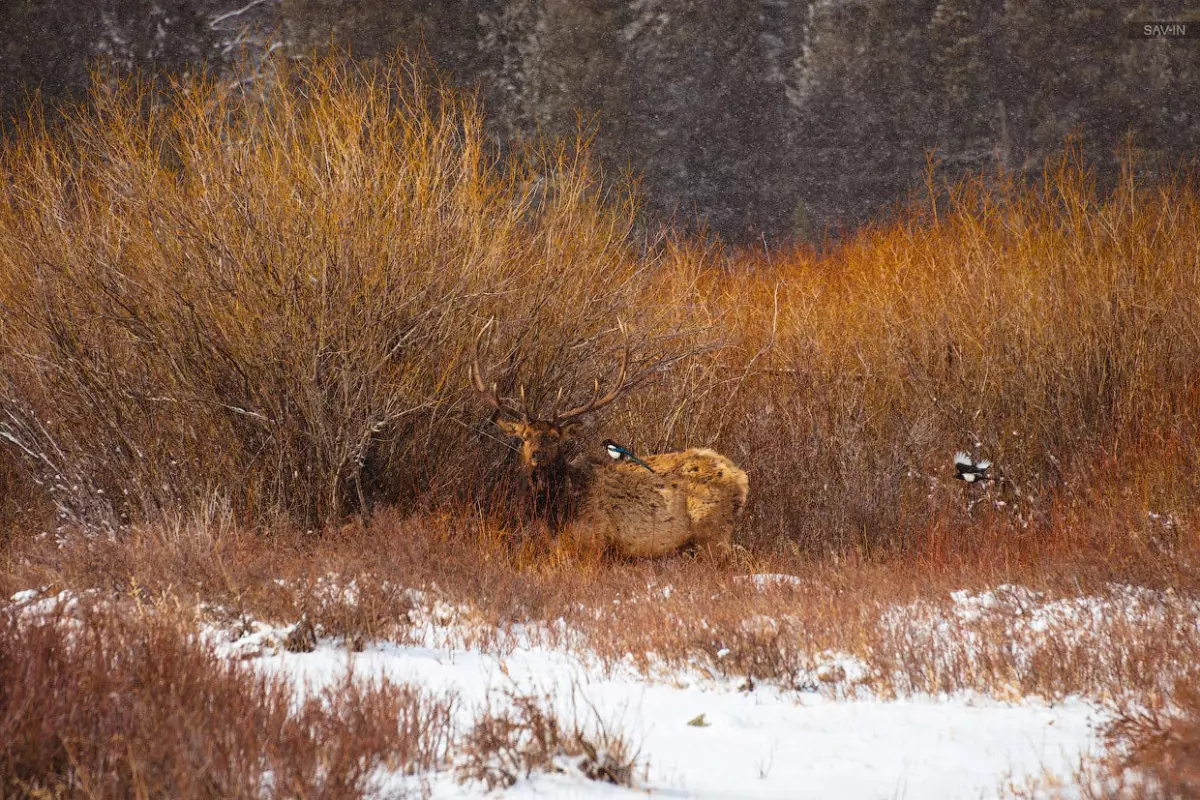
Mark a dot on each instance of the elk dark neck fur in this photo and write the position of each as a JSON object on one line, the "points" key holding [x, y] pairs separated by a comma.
{"points": [[560, 487]]}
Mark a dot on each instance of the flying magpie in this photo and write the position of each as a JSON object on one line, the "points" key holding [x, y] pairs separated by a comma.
{"points": [[621, 453], [971, 471]]}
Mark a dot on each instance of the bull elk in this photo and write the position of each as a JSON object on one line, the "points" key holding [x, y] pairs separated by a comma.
{"points": [[690, 499]]}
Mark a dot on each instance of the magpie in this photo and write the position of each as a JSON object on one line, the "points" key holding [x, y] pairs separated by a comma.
{"points": [[971, 471], [621, 453]]}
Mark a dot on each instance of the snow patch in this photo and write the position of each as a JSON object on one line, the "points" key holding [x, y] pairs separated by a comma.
{"points": [[768, 579], [37, 605]]}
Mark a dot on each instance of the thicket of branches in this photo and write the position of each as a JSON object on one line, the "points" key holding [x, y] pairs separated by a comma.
{"points": [[267, 304], [253, 303]]}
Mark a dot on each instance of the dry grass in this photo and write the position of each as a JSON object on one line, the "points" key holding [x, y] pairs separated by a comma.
{"points": [[525, 735], [670, 618], [129, 705], [660, 617], [1156, 750]]}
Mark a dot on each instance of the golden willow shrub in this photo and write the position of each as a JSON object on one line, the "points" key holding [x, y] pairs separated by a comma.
{"points": [[267, 303], [1045, 323], [215, 298]]}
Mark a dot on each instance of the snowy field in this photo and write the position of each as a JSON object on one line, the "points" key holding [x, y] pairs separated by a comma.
{"points": [[834, 741], [699, 737], [754, 744]]}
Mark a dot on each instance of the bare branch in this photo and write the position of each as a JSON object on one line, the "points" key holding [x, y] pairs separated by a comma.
{"points": [[596, 403], [218, 19]]}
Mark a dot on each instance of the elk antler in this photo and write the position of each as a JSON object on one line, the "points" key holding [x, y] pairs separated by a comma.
{"points": [[596, 402], [490, 394]]}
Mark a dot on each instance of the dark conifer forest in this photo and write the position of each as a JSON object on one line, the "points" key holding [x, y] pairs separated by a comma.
{"points": [[761, 121]]}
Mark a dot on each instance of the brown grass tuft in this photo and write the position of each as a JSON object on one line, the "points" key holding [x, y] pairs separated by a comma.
{"points": [[1156, 749], [525, 735]]}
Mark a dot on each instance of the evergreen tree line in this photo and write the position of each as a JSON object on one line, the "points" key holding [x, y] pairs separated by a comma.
{"points": [[759, 120]]}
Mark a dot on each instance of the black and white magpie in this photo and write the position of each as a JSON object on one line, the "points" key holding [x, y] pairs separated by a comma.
{"points": [[621, 453], [971, 471]]}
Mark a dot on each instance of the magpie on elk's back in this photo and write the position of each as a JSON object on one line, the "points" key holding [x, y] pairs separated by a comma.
{"points": [[971, 471], [621, 453]]}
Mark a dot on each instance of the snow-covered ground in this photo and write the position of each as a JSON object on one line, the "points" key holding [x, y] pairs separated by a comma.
{"points": [[699, 737], [759, 744]]}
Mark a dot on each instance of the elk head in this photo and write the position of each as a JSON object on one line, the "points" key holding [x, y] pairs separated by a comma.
{"points": [[545, 442]]}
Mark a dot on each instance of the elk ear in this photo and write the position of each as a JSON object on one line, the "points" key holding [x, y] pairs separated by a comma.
{"points": [[568, 431], [511, 427]]}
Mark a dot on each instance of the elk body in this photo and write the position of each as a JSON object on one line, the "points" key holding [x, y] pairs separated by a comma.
{"points": [[691, 499]]}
